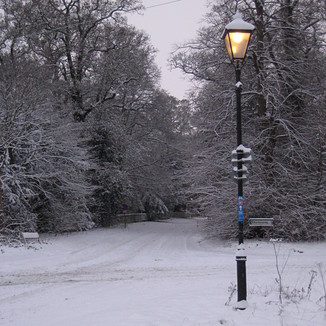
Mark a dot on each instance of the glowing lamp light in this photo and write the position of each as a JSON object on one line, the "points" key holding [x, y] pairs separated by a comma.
{"points": [[236, 37]]}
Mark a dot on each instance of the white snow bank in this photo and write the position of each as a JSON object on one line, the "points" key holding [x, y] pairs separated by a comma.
{"points": [[161, 273]]}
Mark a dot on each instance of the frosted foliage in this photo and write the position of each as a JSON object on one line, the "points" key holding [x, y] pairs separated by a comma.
{"points": [[283, 118], [64, 66], [154, 206], [41, 161]]}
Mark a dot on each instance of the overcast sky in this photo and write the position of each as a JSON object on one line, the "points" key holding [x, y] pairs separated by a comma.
{"points": [[169, 22]]}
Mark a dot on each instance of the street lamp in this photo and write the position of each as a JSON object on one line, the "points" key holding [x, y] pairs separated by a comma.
{"points": [[236, 37]]}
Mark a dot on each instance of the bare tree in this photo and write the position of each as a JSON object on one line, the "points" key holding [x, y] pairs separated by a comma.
{"points": [[284, 83], [69, 36]]}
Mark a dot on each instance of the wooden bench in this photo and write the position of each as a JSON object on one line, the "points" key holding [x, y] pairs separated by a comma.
{"points": [[30, 237]]}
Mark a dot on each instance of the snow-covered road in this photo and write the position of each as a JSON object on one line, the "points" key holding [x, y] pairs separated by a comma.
{"points": [[163, 249], [152, 273]]}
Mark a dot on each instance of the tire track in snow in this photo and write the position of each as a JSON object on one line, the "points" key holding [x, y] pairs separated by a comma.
{"points": [[109, 276], [136, 256]]}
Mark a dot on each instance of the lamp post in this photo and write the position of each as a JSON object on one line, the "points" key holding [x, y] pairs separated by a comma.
{"points": [[236, 37]]}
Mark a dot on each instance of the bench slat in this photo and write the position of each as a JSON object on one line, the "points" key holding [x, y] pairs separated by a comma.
{"points": [[264, 221], [30, 235]]}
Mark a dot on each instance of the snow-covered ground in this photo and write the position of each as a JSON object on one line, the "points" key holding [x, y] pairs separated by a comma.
{"points": [[158, 273]]}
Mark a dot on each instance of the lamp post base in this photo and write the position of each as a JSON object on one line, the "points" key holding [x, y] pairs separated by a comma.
{"points": [[241, 305], [241, 259]]}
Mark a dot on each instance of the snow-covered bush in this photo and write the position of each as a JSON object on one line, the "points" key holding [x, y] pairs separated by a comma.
{"points": [[42, 164], [154, 207]]}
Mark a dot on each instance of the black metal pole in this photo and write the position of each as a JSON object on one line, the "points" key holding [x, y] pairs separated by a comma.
{"points": [[241, 257]]}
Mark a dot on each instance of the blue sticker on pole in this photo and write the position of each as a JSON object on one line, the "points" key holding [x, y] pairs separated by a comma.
{"points": [[240, 208]]}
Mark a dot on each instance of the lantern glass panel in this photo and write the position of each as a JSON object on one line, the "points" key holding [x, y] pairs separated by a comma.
{"points": [[228, 45], [238, 43]]}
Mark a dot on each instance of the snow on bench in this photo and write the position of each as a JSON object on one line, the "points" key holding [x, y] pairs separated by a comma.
{"points": [[30, 236], [261, 221]]}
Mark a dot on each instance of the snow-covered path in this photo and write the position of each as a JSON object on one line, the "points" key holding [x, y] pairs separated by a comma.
{"points": [[141, 250], [153, 273]]}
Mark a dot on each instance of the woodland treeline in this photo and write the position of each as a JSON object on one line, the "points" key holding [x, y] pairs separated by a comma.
{"points": [[86, 132]]}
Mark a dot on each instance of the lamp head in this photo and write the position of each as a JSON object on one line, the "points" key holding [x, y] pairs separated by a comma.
{"points": [[236, 37]]}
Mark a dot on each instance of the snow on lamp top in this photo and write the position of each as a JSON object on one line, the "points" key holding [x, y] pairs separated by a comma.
{"points": [[239, 24]]}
